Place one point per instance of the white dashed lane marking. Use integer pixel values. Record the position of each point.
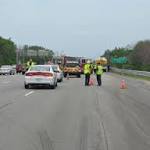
(27, 94)
(6, 82)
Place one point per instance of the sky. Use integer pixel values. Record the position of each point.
(75, 27)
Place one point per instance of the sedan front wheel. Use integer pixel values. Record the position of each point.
(26, 86)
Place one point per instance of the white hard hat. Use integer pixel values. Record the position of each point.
(88, 61)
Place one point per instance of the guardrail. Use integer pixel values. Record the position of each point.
(132, 72)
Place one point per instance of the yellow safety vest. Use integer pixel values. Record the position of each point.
(99, 70)
(29, 64)
(87, 69)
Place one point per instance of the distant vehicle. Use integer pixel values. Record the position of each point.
(71, 66)
(57, 60)
(59, 72)
(14, 66)
(7, 70)
(20, 68)
(40, 75)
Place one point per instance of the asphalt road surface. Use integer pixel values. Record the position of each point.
(75, 117)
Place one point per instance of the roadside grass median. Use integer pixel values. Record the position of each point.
(133, 76)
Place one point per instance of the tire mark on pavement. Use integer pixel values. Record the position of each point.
(46, 142)
(84, 133)
(5, 105)
(101, 123)
(135, 117)
(105, 136)
(13, 101)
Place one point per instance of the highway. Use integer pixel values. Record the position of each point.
(75, 117)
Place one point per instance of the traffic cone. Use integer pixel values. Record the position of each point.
(91, 82)
(123, 84)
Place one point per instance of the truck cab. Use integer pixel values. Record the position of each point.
(71, 67)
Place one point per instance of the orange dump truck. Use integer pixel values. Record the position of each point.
(71, 66)
(103, 62)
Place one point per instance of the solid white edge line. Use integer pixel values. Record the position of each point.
(29, 93)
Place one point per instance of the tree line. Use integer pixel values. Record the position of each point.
(138, 57)
(7, 51)
(10, 54)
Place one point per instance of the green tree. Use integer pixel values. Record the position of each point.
(141, 54)
(7, 51)
(138, 57)
(107, 55)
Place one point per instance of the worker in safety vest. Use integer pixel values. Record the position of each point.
(87, 72)
(99, 72)
(30, 63)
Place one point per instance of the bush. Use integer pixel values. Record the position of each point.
(7, 52)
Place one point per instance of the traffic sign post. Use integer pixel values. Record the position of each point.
(119, 60)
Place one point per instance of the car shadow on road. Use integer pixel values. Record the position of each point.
(44, 88)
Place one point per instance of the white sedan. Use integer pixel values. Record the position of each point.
(39, 75)
(7, 70)
(59, 72)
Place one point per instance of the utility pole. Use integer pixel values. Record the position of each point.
(23, 55)
(17, 56)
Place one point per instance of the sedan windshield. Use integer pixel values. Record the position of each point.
(55, 68)
(72, 65)
(40, 68)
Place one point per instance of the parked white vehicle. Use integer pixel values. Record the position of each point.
(59, 72)
(40, 75)
(7, 70)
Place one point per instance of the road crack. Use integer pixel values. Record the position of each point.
(46, 142)
(5, 105)
(84, 133)
(101, 123)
